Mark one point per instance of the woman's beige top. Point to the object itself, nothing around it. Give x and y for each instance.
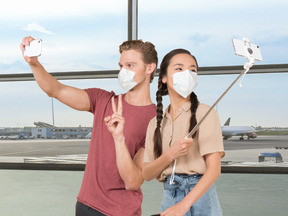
(208, 139)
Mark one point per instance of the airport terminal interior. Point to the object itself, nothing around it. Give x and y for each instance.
(44, 143)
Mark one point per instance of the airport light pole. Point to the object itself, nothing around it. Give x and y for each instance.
(53, 130)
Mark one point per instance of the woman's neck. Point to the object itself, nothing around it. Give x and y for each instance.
(176, 101)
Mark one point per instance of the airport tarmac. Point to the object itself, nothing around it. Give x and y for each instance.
(42, 192)
(241, 155)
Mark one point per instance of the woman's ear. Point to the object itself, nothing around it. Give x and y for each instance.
(164, 79)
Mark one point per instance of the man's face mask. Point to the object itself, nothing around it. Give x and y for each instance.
(184, 82)
(125, 78)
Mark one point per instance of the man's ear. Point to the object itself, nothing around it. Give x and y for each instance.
(150, 68)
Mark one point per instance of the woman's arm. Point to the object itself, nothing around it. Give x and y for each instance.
(153, 169)
(213, 171)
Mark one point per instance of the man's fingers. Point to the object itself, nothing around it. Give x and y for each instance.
(26, 41)
(120, 107)
(107, 119)
(117, 118)
(113, 105)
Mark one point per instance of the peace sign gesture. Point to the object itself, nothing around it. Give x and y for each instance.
(115, 122)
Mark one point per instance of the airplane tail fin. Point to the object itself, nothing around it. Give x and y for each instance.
(227, 123)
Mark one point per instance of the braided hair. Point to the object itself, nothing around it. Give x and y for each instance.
(162, 91)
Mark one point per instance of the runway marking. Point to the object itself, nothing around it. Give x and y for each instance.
(77, 159)
(13, 153)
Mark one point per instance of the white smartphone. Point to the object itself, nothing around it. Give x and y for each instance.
(34, 49)
(246, 49)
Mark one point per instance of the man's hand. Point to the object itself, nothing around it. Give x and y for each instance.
(115, 122)
(25, 42)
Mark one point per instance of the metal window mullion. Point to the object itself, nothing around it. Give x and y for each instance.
(132, 19)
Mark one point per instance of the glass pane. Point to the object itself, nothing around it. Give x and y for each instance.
(46, 189)
(206, 28)
(77, 35)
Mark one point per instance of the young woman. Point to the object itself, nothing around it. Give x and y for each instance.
(191, 191)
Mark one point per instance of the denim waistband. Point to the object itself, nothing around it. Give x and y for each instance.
(181, 181)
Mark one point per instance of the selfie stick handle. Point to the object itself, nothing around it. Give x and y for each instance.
(247, 66)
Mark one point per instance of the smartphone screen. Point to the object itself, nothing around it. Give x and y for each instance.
(34, 49)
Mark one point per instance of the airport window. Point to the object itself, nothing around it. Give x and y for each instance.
(84, 37)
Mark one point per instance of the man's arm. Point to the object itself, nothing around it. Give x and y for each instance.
(75, 98)
(129, 169)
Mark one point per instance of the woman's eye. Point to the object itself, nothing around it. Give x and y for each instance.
(129, 65)
(179, 69)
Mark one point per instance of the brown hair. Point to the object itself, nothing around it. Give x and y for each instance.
(162, 90)
(146, 48)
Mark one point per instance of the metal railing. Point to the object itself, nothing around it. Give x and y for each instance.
(104, 74)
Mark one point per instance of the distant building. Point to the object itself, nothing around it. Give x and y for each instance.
(46, 131)
(5, 133)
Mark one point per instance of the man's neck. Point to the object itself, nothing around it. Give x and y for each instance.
(139, 96)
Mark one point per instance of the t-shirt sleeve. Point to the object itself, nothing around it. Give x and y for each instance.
(96, 95)
(149, 143)
(210, 134)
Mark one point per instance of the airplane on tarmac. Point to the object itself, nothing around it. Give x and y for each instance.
(229, 131)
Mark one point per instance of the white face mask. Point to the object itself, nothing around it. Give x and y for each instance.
(184, 82)
(125, 78)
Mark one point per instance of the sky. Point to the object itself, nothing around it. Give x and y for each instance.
(85, 35)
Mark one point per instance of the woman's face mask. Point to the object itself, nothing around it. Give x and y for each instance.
(185, 82)
(125, 78)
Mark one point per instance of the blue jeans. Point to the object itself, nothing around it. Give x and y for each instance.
(207, 205)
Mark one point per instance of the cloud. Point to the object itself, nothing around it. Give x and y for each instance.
(16, 66)
(35, 9)
(37, 27)
(198, 38)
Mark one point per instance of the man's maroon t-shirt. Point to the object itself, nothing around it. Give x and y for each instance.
(102, 187)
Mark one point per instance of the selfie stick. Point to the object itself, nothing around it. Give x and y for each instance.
(246, 66)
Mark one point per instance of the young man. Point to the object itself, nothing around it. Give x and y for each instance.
(113, 173)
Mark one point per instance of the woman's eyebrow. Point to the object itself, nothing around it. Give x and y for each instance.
(179, 64)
